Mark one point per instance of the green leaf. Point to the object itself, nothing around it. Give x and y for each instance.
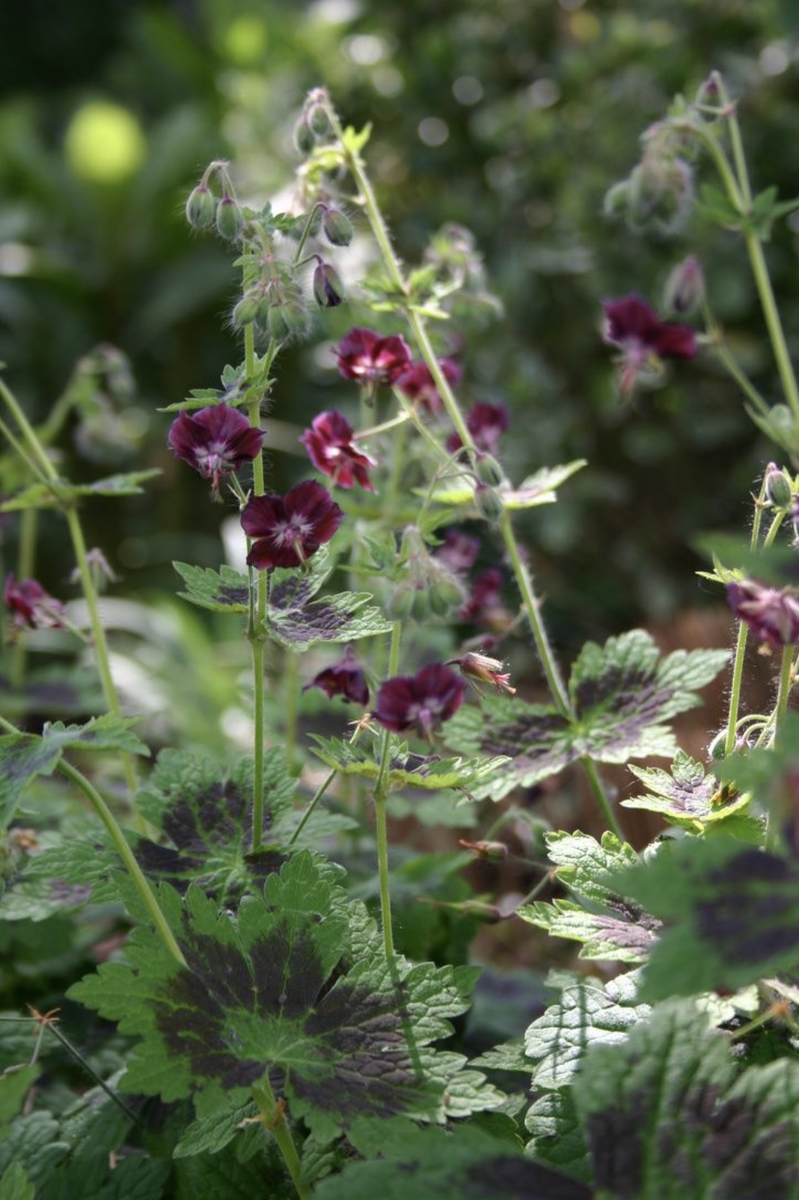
(355, 140)
(775, 564)
(222, 1176)
(623, 695)
(586, 1012)
(686, 796)
(406, 769)
(462, 1164)
(225, 590)
(298, 623)
(540, 488)
(287, 986)
(665, 1121)
(23, 756)
(556, 1135)
(715, 206)
(39, 495)
(15, 1185)
(210, 1134)
(731, 914)
(14, 1087)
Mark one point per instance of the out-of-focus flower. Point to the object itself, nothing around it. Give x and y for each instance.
(772, 614)
(418, 384)
(421, 701)
(215, 441)
(486, 423)
(370, 359)
(288, 529)
(331, 450)
(487, 670)
(328, 288)
(484, 604)
(344, 678)
(685, 287)
(634, 326)
(31, 605)
(459, 551)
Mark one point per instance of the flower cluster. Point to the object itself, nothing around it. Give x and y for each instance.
(31, 606)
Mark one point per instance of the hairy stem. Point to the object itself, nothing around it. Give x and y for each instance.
(274, 1120)
(381, 801)
(26, 561)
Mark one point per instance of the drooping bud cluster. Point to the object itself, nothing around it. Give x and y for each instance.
(204, 208)
(313, 123)
(659, 191)
(428, 585)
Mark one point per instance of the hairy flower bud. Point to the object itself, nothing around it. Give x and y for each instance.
(284, 321)
(304, 139)
(328, 289)
(229, 221)
(318, 120)
(246, 310)
(488, 501)
(685, 287)
(778, 487)
(200, 207)
(493, 851)
(337, 228)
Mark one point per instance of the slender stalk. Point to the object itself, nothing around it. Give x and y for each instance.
(785, 685)
(22, 454)
(291, 684)
(317, 796)
(381, 801)
(771, 313)
(26, 561)
(273, 1119)
(29, 437)
(126, 854)
(383, 427)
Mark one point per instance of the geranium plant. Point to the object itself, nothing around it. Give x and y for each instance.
(277, 1019)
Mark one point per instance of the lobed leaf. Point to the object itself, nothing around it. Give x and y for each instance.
(686, 796)
(406, 769)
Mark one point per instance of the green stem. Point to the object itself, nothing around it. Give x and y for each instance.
(743, 634)
(127, 856)
(26, 561)
(381, 802)
(306, 231)
(773, 321)
(257, 644)
(274, 1120)
(26, 429)
(373, 430)
(784, 691)
(725, 356)
(291, 683)
(317, 796)
(31, 463)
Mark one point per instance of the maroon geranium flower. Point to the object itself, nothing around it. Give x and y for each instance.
(459, 551)
(772, 614)
(634, 326)
(421, 701)
(215, 441)
(418, 384)
(331, 449)
(344, 678)
(486, 423)
(31, 605)
(289, 529)
(370, 359)
(485, 604)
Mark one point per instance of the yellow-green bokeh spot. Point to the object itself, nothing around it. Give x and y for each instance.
(104, 143)
(245, 39)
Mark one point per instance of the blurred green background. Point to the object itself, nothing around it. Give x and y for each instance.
(512, 118)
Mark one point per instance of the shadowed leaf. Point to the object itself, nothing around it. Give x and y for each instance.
(406, 769)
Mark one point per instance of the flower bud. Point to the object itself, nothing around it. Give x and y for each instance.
(318, 121)
(778, 487)
(488, 470)
(488, 501)
(304, 139)
(229, 221)
(328, 289)
(200, 207)
(685, 287)
(445, 594)
(245, 311)
(420, 605)
(338, 228)
(493, 851)
(718, 747)
(285, 320)
(401, 601)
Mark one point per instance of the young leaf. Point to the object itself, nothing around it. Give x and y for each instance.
(664, 1120)
(731, 914)
(282, 987)
(587, 1012)
(405, 768)
(23, 756)
(686, 796)
(541, 487)
(623, 695)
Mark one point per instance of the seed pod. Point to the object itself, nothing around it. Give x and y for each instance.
(328, 289)
(338, 228)
(200, 207)
(229, 221)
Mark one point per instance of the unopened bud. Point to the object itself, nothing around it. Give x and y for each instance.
(478, 908)
(318, 121)
(245, 311)
(709, 92)
(200, 207)
(401, 601)
(685, 288)
(229, 221)
(488, 501)
(494, 851)
(778, 487)
(304, 139)
(487, 670)
(287, 320)
(718, 747)
(488, 470)
(420, 606)
(328, 289)
(446, 594)
(338, 228)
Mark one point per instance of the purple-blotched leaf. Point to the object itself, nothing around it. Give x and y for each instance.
(623, 695)
(686, 796)
(406, 769)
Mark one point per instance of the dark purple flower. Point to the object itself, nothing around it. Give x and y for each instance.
(215, 441)
(418, 384)
(772, 614)
(328, 289)
(485, 604)
(331, 450)
(421, 701)
(486, 423)
(370, 359)
(344, 678)
(289, 529)
(459, 551)
(634, 326)
(31, 605)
